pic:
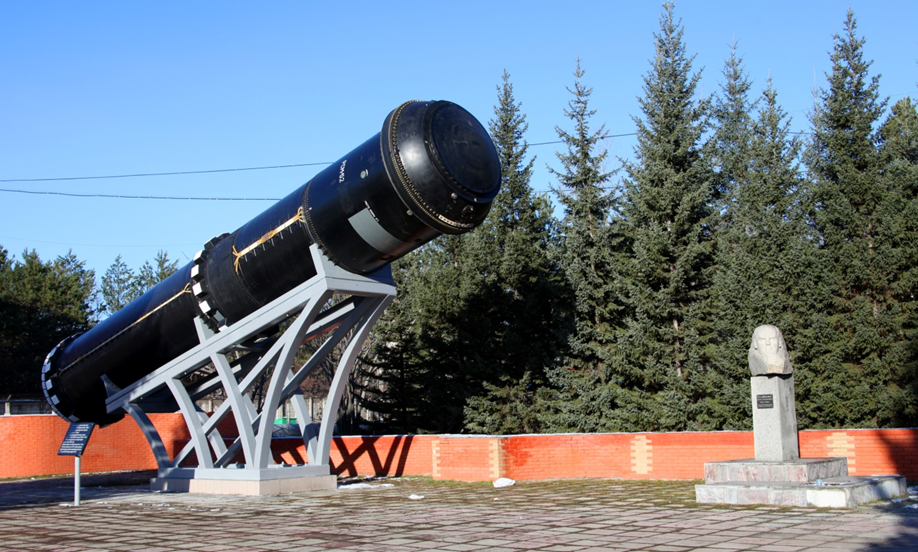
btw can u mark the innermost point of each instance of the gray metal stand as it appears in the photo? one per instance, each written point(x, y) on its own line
point(304, 309)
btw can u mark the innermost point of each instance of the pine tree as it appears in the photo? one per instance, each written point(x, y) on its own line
point(510, 251)
point(120, 285)
point(151, 274)
point(117, 286)
point(899, 251)
point(732, 140)
point(852, 379)
point(41, 303)
point(669, 191)
point(585, 251)
point(763, 262)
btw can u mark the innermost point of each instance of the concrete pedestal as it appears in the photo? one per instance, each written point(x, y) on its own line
point(836, 492)
point(774, 418)
point(276, 480)
point(778, 475)
point(270, 487)
point(801, 470)
point(818, 482)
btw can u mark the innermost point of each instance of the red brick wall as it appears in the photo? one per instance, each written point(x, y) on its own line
point(388, 455)
point(466, 457)
point(869, 451)
point(29, 444)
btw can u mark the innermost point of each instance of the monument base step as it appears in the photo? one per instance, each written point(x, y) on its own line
point(263, 487)
point(801, 470)
point(834, 492)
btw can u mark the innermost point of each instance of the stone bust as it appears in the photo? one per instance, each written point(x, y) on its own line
point(768, 352)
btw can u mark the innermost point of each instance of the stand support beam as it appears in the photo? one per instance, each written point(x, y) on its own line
point(306, 309)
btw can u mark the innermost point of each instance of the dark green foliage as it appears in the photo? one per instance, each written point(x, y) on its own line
point(471, 330)
point(41, 303)
point(899, 137)
point(432, 350)
point(843, 156)
point(736, 276)
point(396, 389)
point(661, 357)
point(509, 252)
point(511, 407)
point(585, 253)
point(899, 251)
point(733, 121)
point(713, 232)
point(414, 380)
point(765, 263)
point(861, 373)
point(117, 286)
point(151, 274)
point(120, 285)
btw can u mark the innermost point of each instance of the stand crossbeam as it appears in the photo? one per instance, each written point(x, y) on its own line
point(305, 308)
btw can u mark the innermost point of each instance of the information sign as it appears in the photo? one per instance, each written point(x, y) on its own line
point(76, 439)
point(764, 401)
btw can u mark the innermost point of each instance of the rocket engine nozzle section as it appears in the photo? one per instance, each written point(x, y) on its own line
point(433, 169)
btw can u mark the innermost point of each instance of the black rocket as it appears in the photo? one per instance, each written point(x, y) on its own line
point(433, 169)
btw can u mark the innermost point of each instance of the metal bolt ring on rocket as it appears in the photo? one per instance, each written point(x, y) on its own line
point(432, 169)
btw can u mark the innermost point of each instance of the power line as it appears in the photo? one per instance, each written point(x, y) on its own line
point(209, 171)
point(119, 196)
point(562, 141)
point(161, 174)
point(160, 246)
point(191, 198)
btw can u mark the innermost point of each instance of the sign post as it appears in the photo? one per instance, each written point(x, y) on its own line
point(74, 444)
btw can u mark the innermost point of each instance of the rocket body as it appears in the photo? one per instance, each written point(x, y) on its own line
point(433, 169)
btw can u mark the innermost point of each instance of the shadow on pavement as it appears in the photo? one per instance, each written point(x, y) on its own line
point(26, 493)
point(907, 523)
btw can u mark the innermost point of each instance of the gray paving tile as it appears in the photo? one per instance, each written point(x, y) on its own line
point(557, 516)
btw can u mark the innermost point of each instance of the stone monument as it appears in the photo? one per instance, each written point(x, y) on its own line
point(774, 417)
point(777, 475)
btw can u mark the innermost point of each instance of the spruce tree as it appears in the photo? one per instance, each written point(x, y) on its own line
point(118, 286)
point(151, 274)
point(394, 367)
point(853, 377)
point(899, 250)
point(426, 354)
point(464, 346)
point(669, 192)
point(899, 136)
point(41, 303)
point(731, 157)
point(510, 250)
point(585, 251)
point(732, 113)
point(763, 263)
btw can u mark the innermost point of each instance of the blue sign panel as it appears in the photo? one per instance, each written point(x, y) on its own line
point(76, 439)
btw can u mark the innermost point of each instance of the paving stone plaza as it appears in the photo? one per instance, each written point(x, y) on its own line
point(119, 513)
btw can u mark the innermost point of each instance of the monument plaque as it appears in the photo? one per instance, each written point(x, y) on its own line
point(777, 475)
point(774, 416)
point(76, 438)
point(74, 444)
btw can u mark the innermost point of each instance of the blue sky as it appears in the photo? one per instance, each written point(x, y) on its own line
point(110, 88)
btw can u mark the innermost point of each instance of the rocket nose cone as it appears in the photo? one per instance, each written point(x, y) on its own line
point(443, 164)
point(464, 153)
